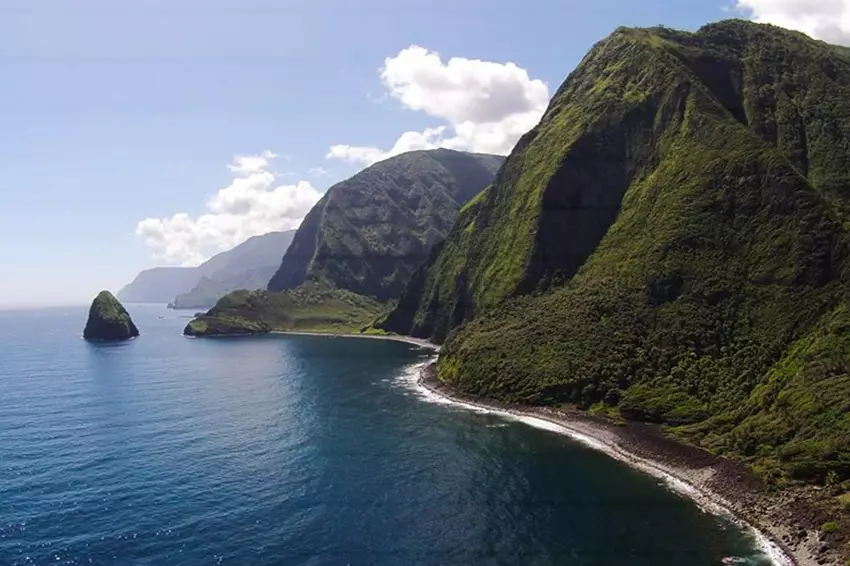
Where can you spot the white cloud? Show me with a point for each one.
(250, 205)
(823, 19)
(488, 106)
(248, 164)
(320, 172)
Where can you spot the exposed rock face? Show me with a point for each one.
(370, 232)
(108, 320)
(358, 246)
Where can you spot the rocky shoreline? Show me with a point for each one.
(785, 522)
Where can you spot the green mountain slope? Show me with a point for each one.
(356, 249)
(312, 307)
(670, 241)
(369, 233)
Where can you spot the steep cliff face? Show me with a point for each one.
(108, 320)
(608, 127)
(667, 242)
(369, 233)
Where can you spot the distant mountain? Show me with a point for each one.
(249, 265)
(357, 248)
(368, 233)
(159, 285)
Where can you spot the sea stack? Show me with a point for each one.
(108, 320)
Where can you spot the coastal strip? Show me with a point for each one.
(392, 337)
(716, 485)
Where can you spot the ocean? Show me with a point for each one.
(300, 450)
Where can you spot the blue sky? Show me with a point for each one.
(115, 116)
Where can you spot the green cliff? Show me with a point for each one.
(670, 242)
(108, 321)
(368, 233)
(358, 246)
(311, 307)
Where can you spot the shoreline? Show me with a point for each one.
(784, 524)
(422, 343)
(716, 485)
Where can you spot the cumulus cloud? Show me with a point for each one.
(487, 106)
(252, 204)
(250, 164)
(320, 172)
(823, 19)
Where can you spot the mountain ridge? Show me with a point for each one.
(222, 273)
(663, 245)
(356, 249)
(250, 266)
(369, 232)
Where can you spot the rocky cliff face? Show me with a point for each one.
(369, 233)
(669, 243)
(108, 320)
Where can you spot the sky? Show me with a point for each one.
(160, 132)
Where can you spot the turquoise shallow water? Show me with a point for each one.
(298, 450)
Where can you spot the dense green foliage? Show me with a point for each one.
(108, 320)
(368, 233)
(311, 307)
(671, 241)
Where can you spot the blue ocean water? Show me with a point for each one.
(298, 450)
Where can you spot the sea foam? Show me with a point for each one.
(710, 503)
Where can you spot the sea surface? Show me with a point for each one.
(299, 450)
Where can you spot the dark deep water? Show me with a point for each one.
(298, 450)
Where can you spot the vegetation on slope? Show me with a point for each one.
(671, 241)
(368, 233)
(108, 320)
(365, 236)
(310, 307)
